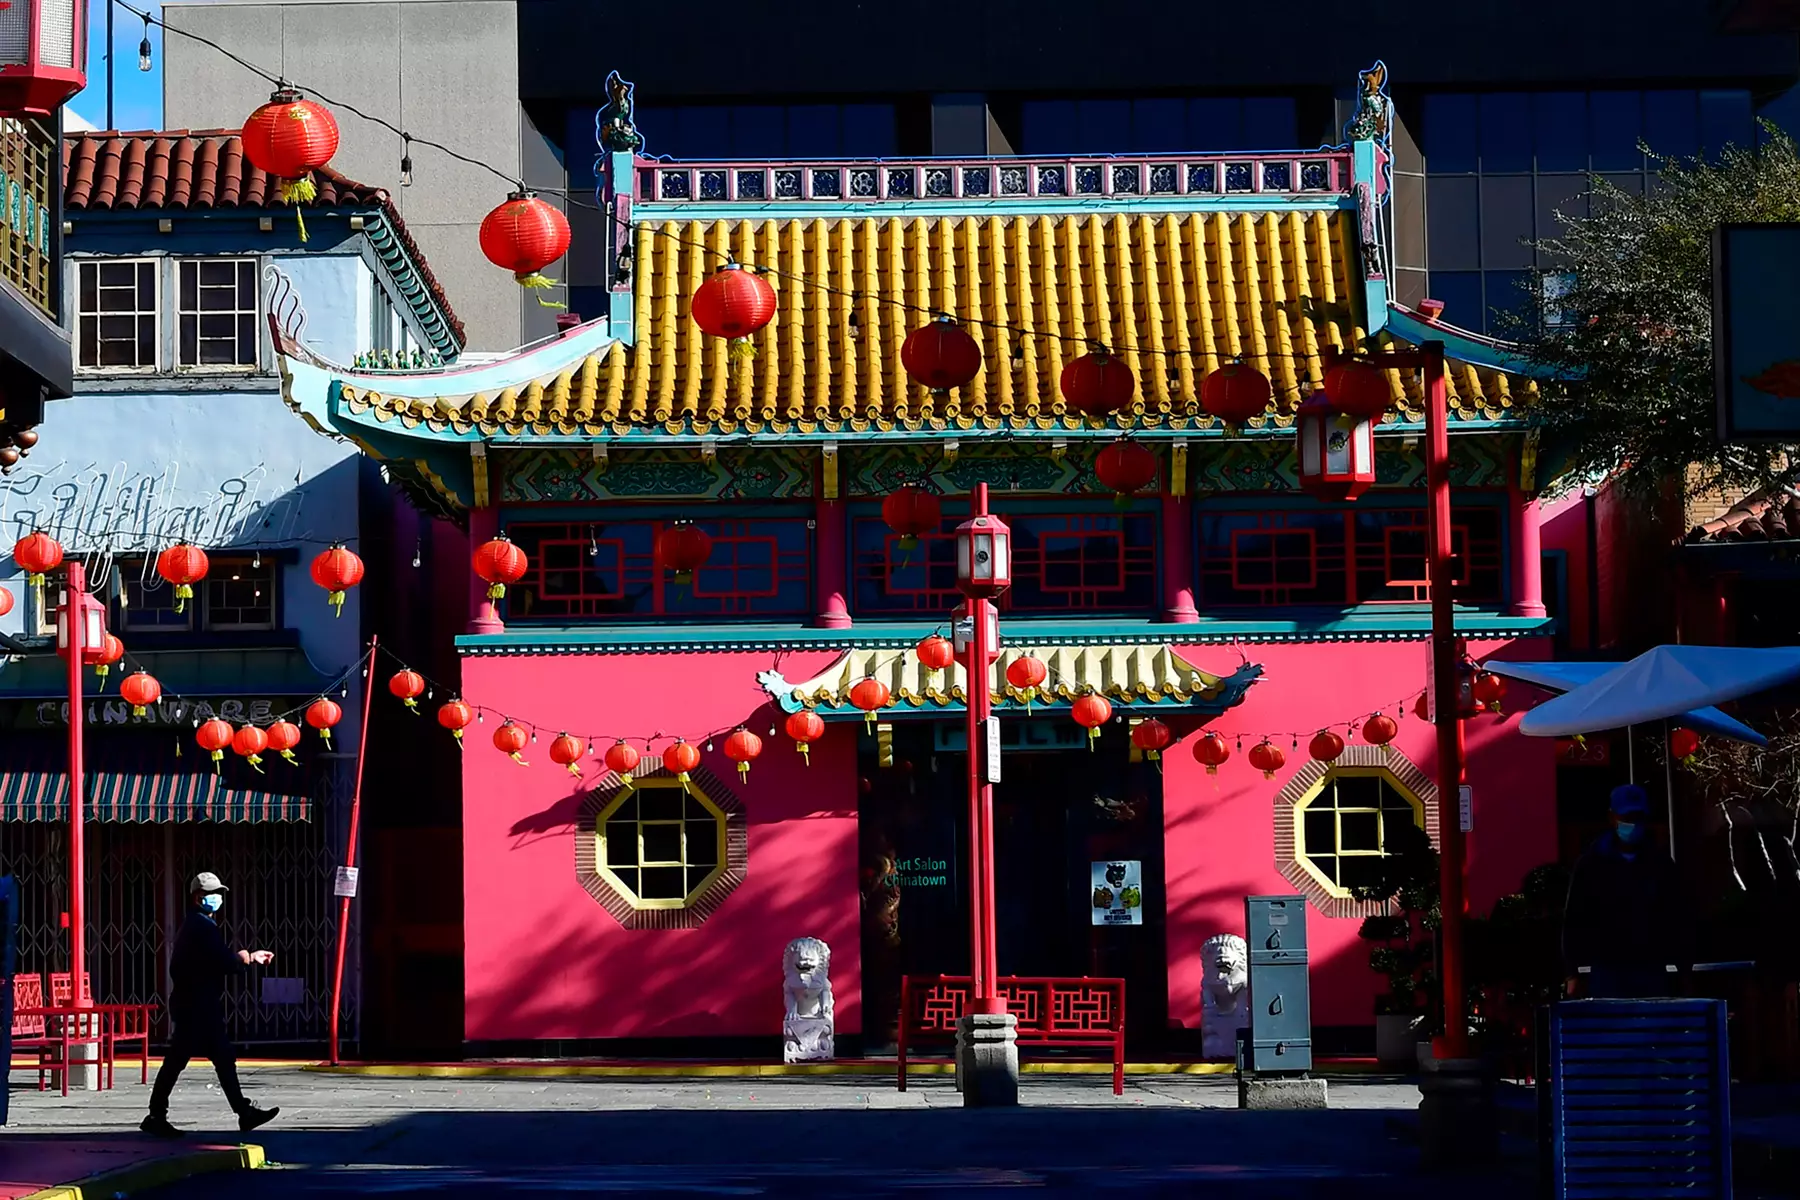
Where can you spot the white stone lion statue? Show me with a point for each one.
(807, 1032)
(1224, 994)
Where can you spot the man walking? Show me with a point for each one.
(1625, 921)
(196, 1006)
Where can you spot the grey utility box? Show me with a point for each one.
(1280, 1002)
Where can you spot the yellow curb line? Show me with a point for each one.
(730, 1070)
(155, 1173)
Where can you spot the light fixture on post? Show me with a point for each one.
(1335, 451)
(983, 552)
(44, 62)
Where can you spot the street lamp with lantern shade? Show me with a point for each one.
(987, 1052)
(1335, 450)
(81, 641)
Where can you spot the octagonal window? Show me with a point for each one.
(1345, 828)
(657, 854)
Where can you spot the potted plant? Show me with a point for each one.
(1404, 942)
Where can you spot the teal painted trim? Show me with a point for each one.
(889, 635)
(1026, 205)
(549, 358)
(1236, 686)
(621, 316)
(409, 277)
(1363, 168)
(1462, 345)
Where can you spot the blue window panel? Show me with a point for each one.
(1506, 294)
(1615, 123)
(1103, 126)
(1672, 122)
(1784, 111)
(1450, 142)
(1559, 130)
(1159, 127)
(1271, 123)
(1047, 127)
(1461, 293)
(1725, 120)
(758, 131)
(1505, 132)
(581, 146)
(704, 132)
(812, 131)
(1215, 123)
(1453, 222)
(869, 131)
(590, 301)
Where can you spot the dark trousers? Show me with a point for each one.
(197, 1039)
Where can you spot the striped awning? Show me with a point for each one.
(1146, 677)
(142, 780)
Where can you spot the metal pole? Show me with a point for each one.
(1669, 786)
(985, 947)
(109, 65)
(76, 616)
(1631, 753)
(343, 938)
(1444, 685)
(976, 669)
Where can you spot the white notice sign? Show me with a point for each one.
(346, 882)
(1118, 893)
(1465, 807)
(991, 764)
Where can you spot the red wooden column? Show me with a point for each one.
(1527, 552)
(1178, 543)
(484, 615)
(830, 578)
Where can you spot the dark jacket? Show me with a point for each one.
(199, 967)
(1625, 912)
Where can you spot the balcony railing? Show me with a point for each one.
(1151, 177)
(27, 207)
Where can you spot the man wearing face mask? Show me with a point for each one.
(1625, 921)
(198, 968)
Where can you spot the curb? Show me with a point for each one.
(728, 1070)
(155, 1173)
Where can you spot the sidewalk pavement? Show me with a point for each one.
(62, 1167)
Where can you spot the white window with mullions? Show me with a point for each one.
(116, 314)
(217, 307)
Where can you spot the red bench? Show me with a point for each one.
(52, 1030)
(1085, 1012)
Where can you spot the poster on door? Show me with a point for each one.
(1118, 893)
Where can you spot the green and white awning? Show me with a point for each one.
(142, 780)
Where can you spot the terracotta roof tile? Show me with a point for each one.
(175, 170)
(1755, 519)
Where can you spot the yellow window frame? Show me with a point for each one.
(1304, 860)
(601, 864)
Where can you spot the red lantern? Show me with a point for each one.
(1379, 730)
(499, 563)
(1097, 384)
(524, 235)
(1325, 746)
(6, 601)
(1683, 745)
(1359, 388)
(509, 740)
(1211, 751)
(111, 651)
(909, 511)
(456, 716)
(1267, 757)
(250, 742)
(1422, 707)
(1125, 467)
(283, 737)
(805, 727)
(621, 760)
(871, 695)
(213, 737)
(45, 58)
(1335, 451)
(140, 690)
(322, 714)
(566, 751)
(681, 758)
(288, 139)
(337, 570)
(1488, 690)
(1152, 737)
(1027, 674)
(1091, 711)
(408, 686)
(941, 355)
(741, 747)
(183, 565)
(734, 304)
(683, 548)
(935, 653)
(37, 554)
(1235, 393)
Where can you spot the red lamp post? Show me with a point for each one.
(81, 640)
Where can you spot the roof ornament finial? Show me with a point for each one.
(614, 124)
(1373, 120)
(286, 314)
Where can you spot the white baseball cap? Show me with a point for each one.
(206, 881)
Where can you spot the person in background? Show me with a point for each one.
(199, 966)
(1625, 921)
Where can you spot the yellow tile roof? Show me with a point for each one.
(1274, 287)
(1125, 673)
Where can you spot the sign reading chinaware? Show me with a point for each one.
(1118, 897)
(176, 713)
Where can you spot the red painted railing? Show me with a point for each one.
(1080, 1012)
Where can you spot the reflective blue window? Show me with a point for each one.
(1672, 123)
(1784, 111)
(1505, 132)
(758, 131)
(869, 131)
(1215, 123)
(1725, 120)
(812, 131)
(700, 131)
(1160, 127)
(1450, 143)
(1559, 130)
(580, 147)
(1615, 124)
(1461, 293)
(1506, 294)
(1270, 123)
(1047, 127)
(1103, 126)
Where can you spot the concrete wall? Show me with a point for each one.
(446, 70)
